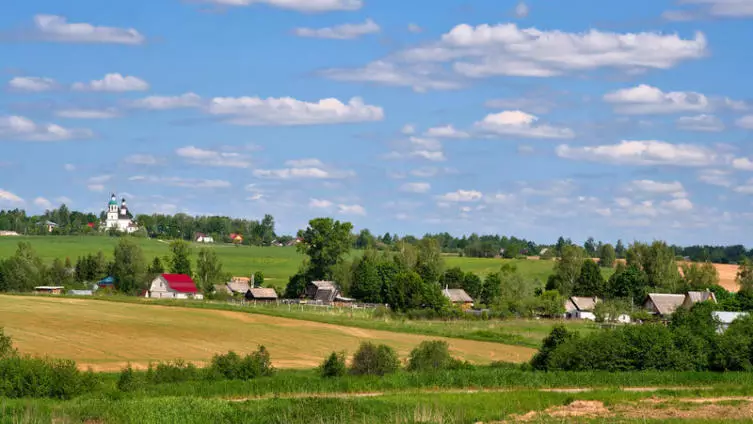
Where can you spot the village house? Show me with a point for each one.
(236, 238)
(322, 291)
(693, 297)
(173, 286)
(665, 305)
(261, 295)
(203, 238)
(581, 307)
(49, 289)
(458, 297)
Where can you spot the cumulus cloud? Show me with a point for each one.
(320, 204)
(180, 182)
(207, 157)
(58, 29)
(446, 131)
(703, 123)
(311, 169)
(520, 124)
(419, 148)
(648, 152)
(674, 188)
(534, 103)
(646, 100)
(677, 205)
(744, 164)
(420, 77)
(32, 84)
(351, 210)
(114, 83)
(715, 177)
(10, 198)
(297, 5)
(340, 32)
(76, 113)
(20, 128)
(462, 196)
(289, 111)
(188, 100)
(141, 159)
(745, 122)
(415, 187)
(43, 203)
(96, 183)
(408, 129)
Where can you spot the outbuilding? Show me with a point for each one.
(458, 297)
(261, 295)
(173, 286)
(49, 289)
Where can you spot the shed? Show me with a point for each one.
(323, 291)
(173, 286)
(49, 289)
(693, 297)
(663, 304)
(581, 307)
(203, 238)
(262, 295)
(458, 297)
(80, 292)
(724, 319)
(107, 282)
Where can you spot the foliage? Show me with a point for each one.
(627, 282)
(452, 278)
(129, 267)
(432, 355)
(209, 270)
(607, 256)
(259, 279)
(367, 284)
(611, 309)
(155, 268)
(180, 257)
(550, 304)
(43, 378)
(6, 345)
(745, 275)
(559, 336)
(429, 262)
(325, 241)
(23, 271)
(334, 365)
(566, 270)
(658, 263)
(590, 282)
(91, 268)
(231, 366)
(700, 277)
(128, 381)
(472, 285)
(492, 288)
(371, 359)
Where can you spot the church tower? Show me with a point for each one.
(112, 211)
(123, 209)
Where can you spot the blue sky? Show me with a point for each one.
(630, 120)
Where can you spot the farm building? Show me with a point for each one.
(663, 304)
(578, 307)
(80, 292)
(724, 319)
(238, 287)
(203, 238)
(693, 297)
(236, 238)
(323, 291)
(261, 295)
(458, 297)
(49, 289)
(8, 233)
(173, 286)
(105, 283)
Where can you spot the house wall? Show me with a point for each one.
(160, 290)
(649, 306)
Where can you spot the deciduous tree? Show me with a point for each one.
(180, 259)
(129, 267)
(325, 241)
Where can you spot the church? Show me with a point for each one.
(118, 217)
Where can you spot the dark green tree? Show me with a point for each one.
(473, 285)
(429, 263)
(453, 278)
(258, 279)
(558, 336)
(180, 259)
(367, 285)
(155, 268)
(209, 270)
(492, 288)
(619, 250)
(628, 282)
(607, 256)
(325, 241)
(129, 267)
(590, 282)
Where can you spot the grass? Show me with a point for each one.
(107, 335)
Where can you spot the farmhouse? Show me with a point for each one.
(49, 289)
(322, 291)
(173, 286)
(458, 297)
(236, 238)
(203, 238)
(578, 307)
(80, 292)
(106, 283)
(693, 297)
(663, 304)
(119, 218)
(238, 287)
(261, 295)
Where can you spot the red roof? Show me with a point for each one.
(180, 283)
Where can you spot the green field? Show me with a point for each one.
(277, 263)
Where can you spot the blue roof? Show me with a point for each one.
(106, 281)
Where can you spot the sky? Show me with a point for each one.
(617, 120)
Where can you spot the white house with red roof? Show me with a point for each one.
(173, 286)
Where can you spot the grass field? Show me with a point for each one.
(107, 335)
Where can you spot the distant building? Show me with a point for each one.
(49, 289)
(458, 297)
(118, 217)
(50, 226)
(80, 292)
(236, 238)
(580, 307)
(322, 291)
(693, 297)
(261, 295)
(662, 304)
(173, 286)
(8, 233)
(203, 238)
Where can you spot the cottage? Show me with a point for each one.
(237, 287)
(203, 238)
(261, 295)
(579, 307)
(236, 238)
(49, 289)
(663, 305)
(106, 283)
(724, 319)
(323, 291)
(173, 286)
(458, 297)
(693, 297)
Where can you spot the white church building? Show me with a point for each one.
(117, 217)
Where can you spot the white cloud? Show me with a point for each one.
(351, 209)
(415, 187)
(289, 111)
(43, 203)
(87, 113)
(550, 189)
(141, 159)
(421, 143)
(704, 123)
(745, 122)
(58, 29)
(678, 205)
(320, 204)
(744, 164)
(340, 32)
(713, 9)
(649, 152)
(645, 99)
(298, 5)
(421, 77)
(181, 182)
(408, 129)
(462, 196)
(20, 128)
(415, 28)
(522, 10)
(312, 169)
(520, 124)
(10, 198)
(446, 131)
(535, 104)
(745, 189)
(715, 177)
(206, 157)
(69, 167)
(32, 84)
(188, 100)
(304, 163)
(674, 188)
(113, 83)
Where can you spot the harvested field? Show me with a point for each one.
(108, 335)
(727, 276)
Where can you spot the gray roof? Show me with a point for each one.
(324, 284)
(238, 287)
(326, 295)
(701, 296)
(666, 304)
(457, 296)
(585, 303)
(221, 288)
(727, 317)
(262, 293)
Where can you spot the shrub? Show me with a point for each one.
(37, 378)
(128, 381)
(232, 367)
(334, 365)
(6, 345)
(557, 337)
(371, 359)
(174, 372)
(432, 355)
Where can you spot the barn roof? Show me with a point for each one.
(324, 284)
(701, 296)
(457, 296)
(180, 283)
(238, 286)
(262, 293)
(584, 304)
(666, 304)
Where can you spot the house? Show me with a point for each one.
(238, 287)
(80, 292)
(203, 238)
(295, 241)
(50, 226)
(322, 291)
(662, 304)
(173, 286)
(458, 297)
(580, 307)
(8, 233)
(262, 295)
(49, 289)
(724, 319)
(236, 238)
(106, 283)
(693, 297)
(118, 217)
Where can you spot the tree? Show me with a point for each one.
(607, 256)
(367, 285)
(473, 285)
(560, 245)
(208, 270)
(492, 288)
(296, 285)
(590, 247)
(129, 267)
(700, 277)
(744, 277)
(590, 282)
(550, 304)
(258, 279)
(566, 270)
(557, 337)
(180, 261)
(58, 274)
(452, 278)
(619, 250)
(23, 271)
(325, 241)
(155, 268)
(429, 263)
(627, 282)
(364, 240)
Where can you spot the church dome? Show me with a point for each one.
(113, 201)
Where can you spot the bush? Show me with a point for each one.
(128, 380)
(232, 367)
(371, 359)
(6, 345)
(38, 378)
(334, 365)
(432, 355)
(174, 372)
